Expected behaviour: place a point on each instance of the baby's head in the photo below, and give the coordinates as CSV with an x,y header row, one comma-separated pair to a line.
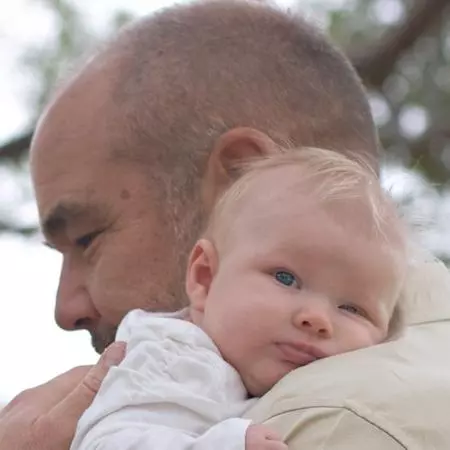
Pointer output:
x,y
303,258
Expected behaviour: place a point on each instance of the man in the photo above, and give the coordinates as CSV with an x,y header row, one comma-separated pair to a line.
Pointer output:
x,y
127,161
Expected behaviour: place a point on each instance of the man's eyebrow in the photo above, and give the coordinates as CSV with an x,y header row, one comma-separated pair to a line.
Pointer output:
x,y
56,220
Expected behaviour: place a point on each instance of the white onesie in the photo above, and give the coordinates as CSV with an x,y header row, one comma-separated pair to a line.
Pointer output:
x,y
173,391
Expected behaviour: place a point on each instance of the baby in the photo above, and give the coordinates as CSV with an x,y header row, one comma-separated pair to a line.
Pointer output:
x,y
303,258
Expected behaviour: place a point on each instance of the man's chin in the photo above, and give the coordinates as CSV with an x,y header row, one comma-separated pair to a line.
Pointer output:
x,y
101,339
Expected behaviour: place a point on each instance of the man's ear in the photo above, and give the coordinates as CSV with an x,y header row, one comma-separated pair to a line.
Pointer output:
x,y
231,149
201,269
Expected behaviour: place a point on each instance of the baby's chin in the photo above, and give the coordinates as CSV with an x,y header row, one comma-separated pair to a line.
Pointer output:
x,y
257,387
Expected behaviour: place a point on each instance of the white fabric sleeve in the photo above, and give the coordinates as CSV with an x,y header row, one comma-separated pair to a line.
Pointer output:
x,y
166,395
124,435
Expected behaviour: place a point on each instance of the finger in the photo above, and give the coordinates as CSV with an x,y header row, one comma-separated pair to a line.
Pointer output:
x,y
50,393
268,432
79,399
60,386
272,435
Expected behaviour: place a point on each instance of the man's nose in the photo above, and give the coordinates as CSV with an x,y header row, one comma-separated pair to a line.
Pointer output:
x,y
74,309
314,317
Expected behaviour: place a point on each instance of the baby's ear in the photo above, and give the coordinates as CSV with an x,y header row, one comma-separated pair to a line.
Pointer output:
x,y
202,267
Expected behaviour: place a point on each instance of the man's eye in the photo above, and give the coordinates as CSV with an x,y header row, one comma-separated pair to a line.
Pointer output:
x,y
86,240
287,279
353,309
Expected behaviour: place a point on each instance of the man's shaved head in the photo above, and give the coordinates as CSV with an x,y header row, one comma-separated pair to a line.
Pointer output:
x,y
190,73
150,130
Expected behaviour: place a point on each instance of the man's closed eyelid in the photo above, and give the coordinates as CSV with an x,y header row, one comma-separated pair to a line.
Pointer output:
x,y
85,240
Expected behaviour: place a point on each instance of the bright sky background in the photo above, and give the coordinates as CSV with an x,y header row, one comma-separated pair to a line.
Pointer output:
x,y
33,349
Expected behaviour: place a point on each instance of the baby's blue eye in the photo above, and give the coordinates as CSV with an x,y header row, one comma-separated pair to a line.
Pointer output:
x,y
286,278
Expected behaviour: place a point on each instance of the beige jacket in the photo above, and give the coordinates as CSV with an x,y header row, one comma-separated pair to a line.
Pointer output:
x,y
389,397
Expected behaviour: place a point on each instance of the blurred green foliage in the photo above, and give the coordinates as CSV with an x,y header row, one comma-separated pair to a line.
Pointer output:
x,y
412,105
410,95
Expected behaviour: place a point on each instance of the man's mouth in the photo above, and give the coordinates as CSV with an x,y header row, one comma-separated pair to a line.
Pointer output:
x,y
101,339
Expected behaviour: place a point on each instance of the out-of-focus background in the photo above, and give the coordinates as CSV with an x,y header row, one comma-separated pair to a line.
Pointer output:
x,y
401,49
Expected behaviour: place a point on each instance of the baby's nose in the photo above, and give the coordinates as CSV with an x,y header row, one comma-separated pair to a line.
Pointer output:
x,y
314,319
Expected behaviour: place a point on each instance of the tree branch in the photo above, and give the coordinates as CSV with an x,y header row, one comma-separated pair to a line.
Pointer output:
x,y
375,65
6,227
425,153
15,149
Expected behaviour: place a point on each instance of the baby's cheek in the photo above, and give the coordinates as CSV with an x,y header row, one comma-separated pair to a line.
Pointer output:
x,y
368,336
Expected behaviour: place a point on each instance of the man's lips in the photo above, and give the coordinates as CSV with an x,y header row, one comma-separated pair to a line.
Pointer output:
x,y
299,353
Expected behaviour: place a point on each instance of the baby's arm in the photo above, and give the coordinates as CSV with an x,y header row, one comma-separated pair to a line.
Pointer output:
x,y
231,434
116,434
164,399
149,418
261,437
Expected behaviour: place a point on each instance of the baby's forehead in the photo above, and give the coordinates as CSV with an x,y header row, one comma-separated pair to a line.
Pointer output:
x,y
288,194
291,192
267,188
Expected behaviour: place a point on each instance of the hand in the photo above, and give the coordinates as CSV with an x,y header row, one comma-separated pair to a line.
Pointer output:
x,y
45,417
261,437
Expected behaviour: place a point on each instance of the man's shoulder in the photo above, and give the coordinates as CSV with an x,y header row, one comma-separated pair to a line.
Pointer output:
x,y
399,390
